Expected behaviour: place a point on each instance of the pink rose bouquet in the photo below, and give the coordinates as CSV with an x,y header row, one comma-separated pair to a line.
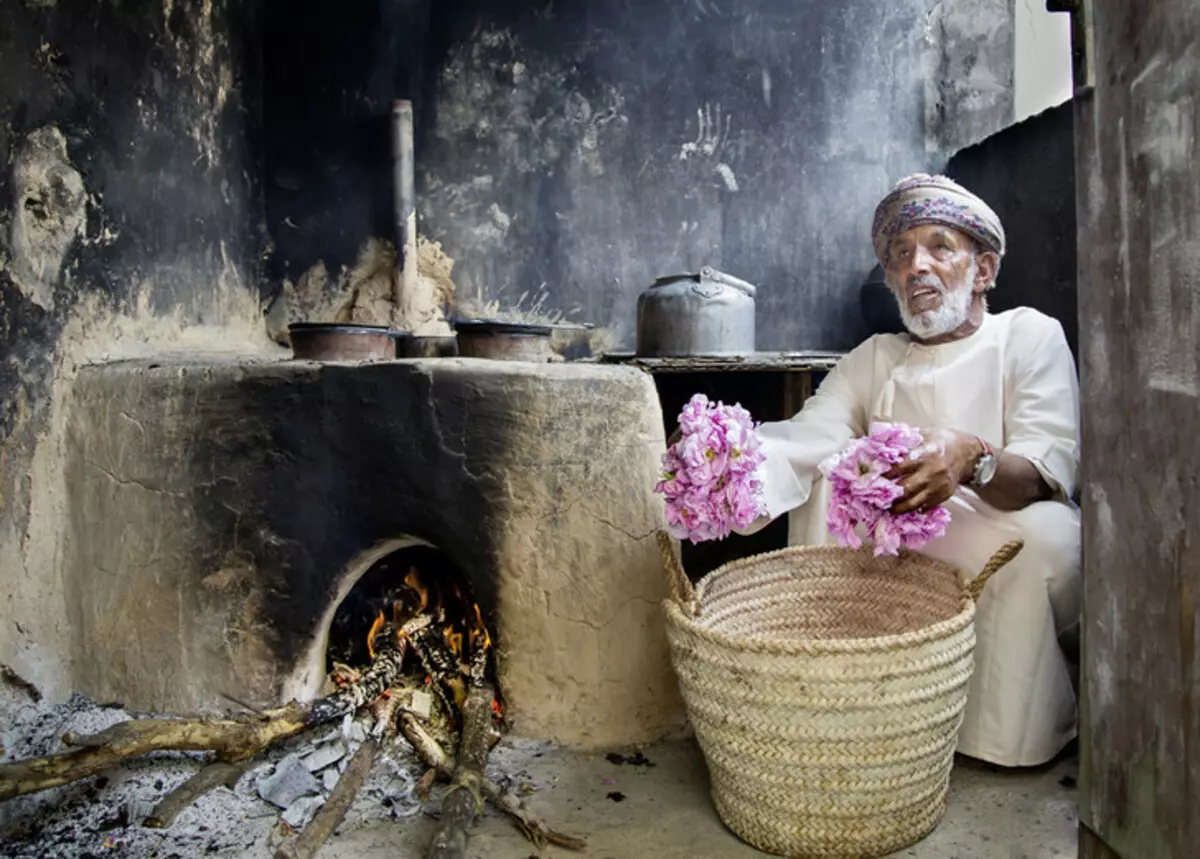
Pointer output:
x,y
709,476
863,496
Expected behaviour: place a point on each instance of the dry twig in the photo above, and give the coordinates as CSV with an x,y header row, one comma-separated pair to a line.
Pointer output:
x,y
330,816
433,756
212,776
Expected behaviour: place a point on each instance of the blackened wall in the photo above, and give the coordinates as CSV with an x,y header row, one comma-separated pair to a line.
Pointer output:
x,y
1027,174
129,189
568,153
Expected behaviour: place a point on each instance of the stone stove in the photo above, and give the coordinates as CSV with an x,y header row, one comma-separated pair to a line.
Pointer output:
x,y
218,513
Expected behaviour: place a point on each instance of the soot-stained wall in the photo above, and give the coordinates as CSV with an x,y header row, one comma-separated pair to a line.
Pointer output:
x,y
1027,174
130,210
568,153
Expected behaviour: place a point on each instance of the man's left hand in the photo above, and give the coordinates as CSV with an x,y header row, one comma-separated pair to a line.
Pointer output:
x,y
942,464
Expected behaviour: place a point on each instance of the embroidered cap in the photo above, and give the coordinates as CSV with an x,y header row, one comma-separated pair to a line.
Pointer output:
x,y
924,199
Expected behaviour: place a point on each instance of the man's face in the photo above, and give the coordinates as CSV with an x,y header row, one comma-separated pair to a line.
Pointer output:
x,y
934,274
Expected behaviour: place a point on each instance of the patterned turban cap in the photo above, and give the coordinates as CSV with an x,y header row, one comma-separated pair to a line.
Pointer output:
x,y
924,199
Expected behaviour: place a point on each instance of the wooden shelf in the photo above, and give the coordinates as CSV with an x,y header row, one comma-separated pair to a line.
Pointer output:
x,y
809,361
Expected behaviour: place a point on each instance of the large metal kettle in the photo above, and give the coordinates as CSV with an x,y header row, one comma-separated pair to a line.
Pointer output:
x,y
709,313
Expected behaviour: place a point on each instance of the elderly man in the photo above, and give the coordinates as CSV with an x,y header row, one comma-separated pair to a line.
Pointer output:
x,y
997,398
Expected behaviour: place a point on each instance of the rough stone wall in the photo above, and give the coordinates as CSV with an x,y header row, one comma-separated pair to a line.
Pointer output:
x,y
569,153
130,222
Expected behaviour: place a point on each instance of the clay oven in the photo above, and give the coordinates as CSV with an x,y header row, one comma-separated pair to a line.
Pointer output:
x,y
219,514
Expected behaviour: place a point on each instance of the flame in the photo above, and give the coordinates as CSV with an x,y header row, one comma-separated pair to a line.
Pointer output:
x,y
454,640
413,580
477,631
375,627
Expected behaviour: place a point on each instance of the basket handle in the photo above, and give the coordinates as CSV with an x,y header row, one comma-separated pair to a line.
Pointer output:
x,y
997,561
681,586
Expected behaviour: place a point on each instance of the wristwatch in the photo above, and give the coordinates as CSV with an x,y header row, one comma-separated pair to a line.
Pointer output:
x,y
985,467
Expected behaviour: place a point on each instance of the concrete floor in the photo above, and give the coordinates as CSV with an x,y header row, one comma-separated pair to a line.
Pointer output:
x,y
666,812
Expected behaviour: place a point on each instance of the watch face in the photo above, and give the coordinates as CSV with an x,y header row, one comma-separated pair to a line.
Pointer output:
x,y
987,470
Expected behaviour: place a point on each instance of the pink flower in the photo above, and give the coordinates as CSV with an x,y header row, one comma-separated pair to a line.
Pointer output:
x,y
894,441
709,476
887,536
695,415
863,497
842,524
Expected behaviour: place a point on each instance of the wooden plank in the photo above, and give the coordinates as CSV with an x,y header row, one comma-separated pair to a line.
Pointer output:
x,y
1139,238
797,387
1091,847
752,362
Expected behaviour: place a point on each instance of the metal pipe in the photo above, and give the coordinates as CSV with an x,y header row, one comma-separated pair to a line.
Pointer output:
x,y
404,205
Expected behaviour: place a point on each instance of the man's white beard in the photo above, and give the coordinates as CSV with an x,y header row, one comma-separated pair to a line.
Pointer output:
x,y
951,314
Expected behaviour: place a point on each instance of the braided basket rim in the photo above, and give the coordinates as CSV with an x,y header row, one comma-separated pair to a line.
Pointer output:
x,y
817,646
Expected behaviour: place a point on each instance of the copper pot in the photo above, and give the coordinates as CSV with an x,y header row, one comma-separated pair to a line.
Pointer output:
x,y
504,341
330,341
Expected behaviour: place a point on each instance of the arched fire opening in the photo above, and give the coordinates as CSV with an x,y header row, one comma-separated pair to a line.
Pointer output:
x,y
417,603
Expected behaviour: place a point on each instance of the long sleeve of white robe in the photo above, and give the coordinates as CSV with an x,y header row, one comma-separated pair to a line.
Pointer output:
x,y
795,448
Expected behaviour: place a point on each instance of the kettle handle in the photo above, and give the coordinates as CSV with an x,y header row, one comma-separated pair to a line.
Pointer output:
x,y
710,274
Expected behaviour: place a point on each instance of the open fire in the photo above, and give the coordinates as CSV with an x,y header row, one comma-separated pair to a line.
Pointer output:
x,y
432,621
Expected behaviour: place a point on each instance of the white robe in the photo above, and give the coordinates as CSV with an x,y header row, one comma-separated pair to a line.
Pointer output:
x,y
1013,384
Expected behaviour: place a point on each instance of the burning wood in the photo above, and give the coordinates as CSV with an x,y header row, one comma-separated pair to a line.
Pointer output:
x,y
387,646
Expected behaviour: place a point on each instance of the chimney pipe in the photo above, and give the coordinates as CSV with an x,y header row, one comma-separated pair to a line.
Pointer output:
x,y
404,212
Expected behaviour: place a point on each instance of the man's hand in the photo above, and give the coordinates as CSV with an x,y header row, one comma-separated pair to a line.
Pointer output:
x,y
942,464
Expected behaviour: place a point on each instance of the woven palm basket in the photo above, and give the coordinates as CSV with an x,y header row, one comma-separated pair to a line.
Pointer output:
x,y
826,688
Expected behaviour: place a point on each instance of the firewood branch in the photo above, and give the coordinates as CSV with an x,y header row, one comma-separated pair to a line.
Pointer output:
x,y
333,812
434,757
464,800
211,777
231,739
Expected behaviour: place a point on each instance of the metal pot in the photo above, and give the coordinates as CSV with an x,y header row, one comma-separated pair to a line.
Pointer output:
x,y
331,341
710,313
504,341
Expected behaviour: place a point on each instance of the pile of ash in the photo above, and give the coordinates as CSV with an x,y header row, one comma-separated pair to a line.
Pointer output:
x,y
105,815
